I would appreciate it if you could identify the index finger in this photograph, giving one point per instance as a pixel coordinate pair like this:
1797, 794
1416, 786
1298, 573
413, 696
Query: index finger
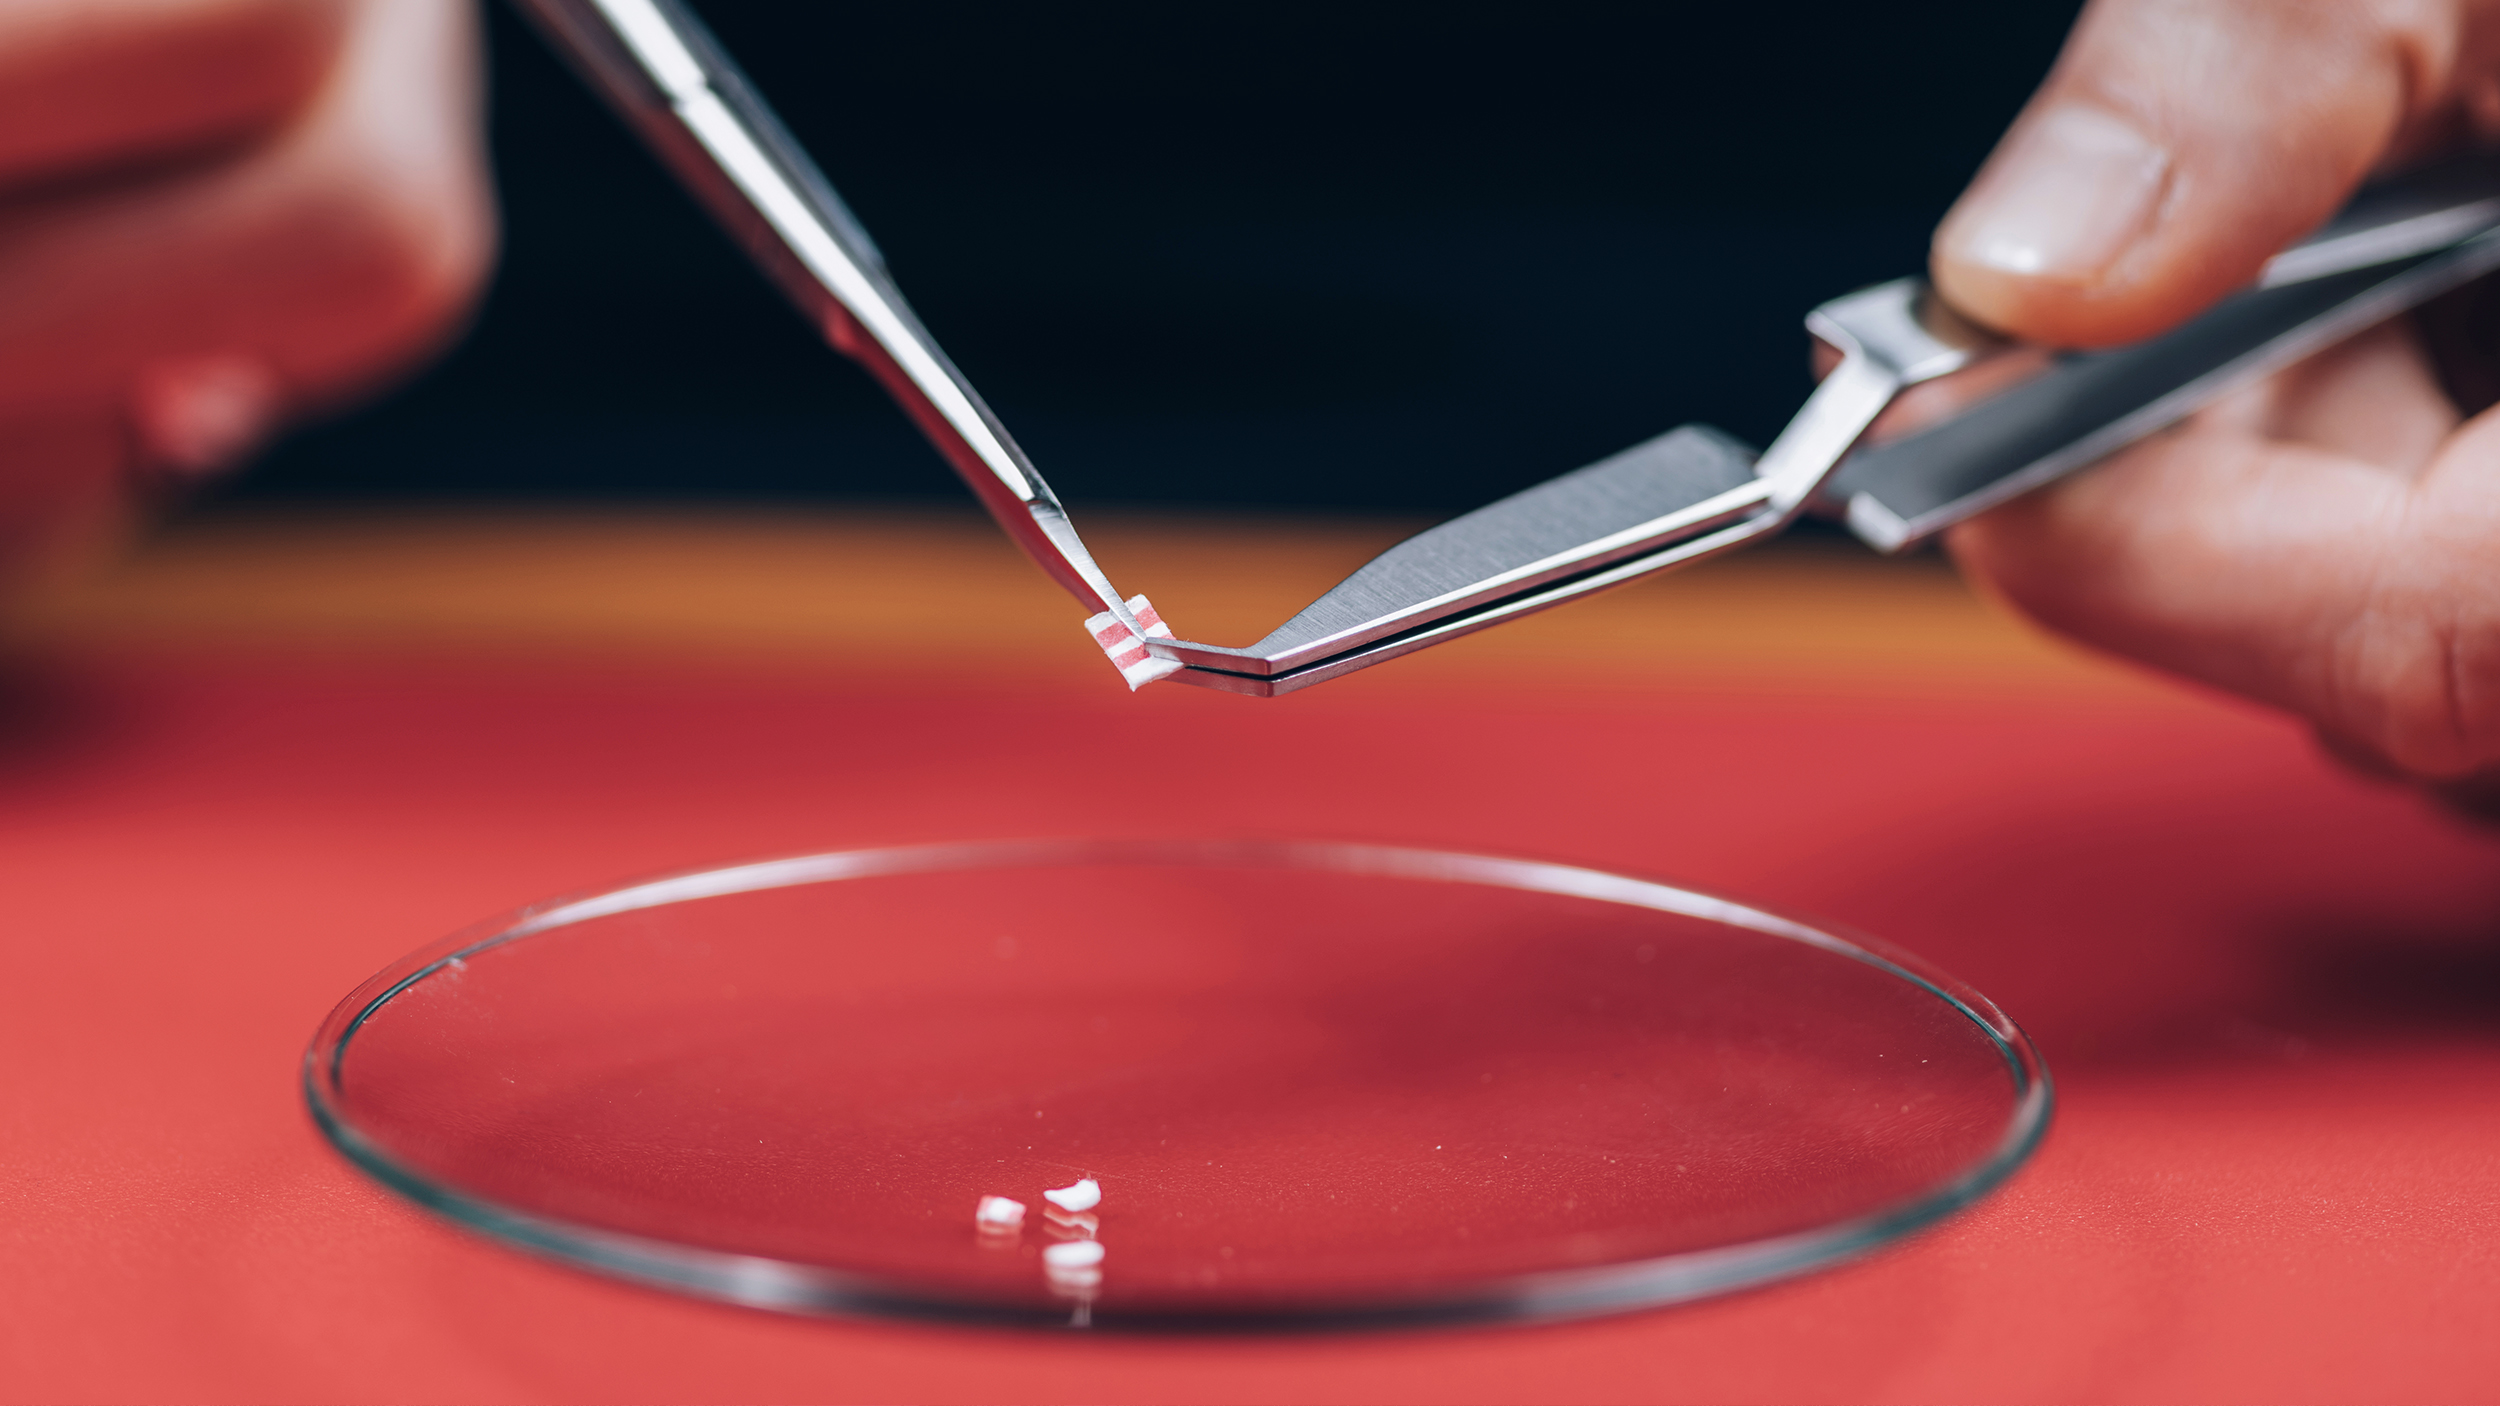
2178, 145
90, 83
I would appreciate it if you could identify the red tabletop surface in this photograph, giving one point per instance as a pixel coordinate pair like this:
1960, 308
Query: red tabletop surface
243, 774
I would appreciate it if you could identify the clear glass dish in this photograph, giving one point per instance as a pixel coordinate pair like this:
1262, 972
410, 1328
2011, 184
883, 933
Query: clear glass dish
1315, 1083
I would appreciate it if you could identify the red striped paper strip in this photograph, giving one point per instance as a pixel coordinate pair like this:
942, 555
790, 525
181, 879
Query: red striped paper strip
1126, 651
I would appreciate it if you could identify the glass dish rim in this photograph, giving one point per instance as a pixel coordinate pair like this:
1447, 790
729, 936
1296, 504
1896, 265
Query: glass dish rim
785, 1286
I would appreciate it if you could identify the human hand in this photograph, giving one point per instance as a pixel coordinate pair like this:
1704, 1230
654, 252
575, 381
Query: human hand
217, 216
2329, 541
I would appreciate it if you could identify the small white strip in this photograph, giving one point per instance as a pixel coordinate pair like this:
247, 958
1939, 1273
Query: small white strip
1126, 650
1084, 1196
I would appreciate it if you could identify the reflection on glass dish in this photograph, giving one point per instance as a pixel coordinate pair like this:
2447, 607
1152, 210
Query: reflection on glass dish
1309, 1082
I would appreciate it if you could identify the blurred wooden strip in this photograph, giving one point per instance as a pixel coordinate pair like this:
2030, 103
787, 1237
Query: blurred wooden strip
927, 588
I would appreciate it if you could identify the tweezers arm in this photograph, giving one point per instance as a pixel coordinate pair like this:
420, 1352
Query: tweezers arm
667, 77
2086, 406
2398, 244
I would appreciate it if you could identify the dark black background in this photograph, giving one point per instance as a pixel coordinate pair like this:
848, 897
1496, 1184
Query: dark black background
1345, 255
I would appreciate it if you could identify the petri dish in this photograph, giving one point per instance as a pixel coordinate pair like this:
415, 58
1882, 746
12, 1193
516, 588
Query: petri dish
1314, 1083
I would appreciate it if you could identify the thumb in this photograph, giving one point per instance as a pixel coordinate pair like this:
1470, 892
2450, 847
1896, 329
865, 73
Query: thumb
2178, 145
2354, 596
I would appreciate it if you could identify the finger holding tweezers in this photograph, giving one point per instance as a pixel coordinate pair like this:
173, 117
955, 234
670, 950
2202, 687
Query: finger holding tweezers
1695, 493
2398, 245
1683, 497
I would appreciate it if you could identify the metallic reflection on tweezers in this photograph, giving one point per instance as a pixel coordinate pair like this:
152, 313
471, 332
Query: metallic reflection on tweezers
2023, 416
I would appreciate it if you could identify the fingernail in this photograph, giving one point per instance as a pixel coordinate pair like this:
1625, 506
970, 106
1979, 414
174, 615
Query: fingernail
2066, 195
199, 415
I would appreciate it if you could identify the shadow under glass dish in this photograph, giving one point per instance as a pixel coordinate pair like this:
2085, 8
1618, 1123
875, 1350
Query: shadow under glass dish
1316, 1083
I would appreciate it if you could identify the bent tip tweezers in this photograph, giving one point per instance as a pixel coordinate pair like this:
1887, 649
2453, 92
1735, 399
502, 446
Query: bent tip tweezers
1689, 494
